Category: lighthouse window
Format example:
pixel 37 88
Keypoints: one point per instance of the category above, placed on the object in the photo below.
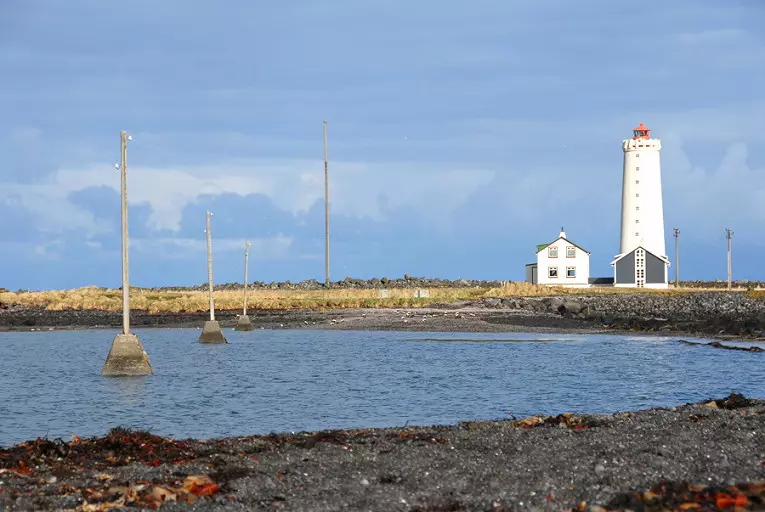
pixel 637 168
pixel 637 234
pixel 570 271
pixel 637 182
pixel 552 272
pixel 637 195
pixel 552 252
pixel 637 221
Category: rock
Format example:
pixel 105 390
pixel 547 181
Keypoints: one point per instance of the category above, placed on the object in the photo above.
pixel 492 302
pixel 510 303
pixel 570 307
pixel 552 303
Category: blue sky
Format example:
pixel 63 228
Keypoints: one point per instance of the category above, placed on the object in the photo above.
pixel 461 134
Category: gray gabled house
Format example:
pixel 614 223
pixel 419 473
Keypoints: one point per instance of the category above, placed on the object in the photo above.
pixel 640 268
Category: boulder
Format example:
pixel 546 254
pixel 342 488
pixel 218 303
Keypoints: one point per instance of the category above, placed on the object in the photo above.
pixel 552 303
pixel 492 302
pixel 570 307
pixel 510 303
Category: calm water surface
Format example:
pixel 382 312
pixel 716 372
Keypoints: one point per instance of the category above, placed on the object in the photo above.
pixel 266 381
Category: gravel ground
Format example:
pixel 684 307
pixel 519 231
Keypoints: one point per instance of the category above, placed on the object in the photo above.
pixel 538 463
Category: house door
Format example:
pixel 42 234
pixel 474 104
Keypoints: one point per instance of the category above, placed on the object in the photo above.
pixel 640 268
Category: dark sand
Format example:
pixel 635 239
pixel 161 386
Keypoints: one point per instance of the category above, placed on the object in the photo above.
pixel 551 463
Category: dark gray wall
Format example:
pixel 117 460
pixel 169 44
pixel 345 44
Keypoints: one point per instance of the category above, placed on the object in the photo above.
pixel 654 269
pixel 531 274
pixel 625 269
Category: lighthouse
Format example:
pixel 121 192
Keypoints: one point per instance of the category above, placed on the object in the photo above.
pixel 642 259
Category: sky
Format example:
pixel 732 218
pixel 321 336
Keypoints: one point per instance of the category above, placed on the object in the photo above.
pixel 461 135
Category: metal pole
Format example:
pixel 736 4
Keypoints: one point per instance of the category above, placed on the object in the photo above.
pixel 729 235
pixel 209 268
pixel 326 208
pixel 677 258
pixel 125 283
pixel 246 262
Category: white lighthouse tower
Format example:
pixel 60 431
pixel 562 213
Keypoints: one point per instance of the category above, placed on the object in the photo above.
pixel 642 259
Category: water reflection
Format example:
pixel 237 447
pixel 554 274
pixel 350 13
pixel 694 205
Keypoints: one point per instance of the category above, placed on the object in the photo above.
pixel 128 390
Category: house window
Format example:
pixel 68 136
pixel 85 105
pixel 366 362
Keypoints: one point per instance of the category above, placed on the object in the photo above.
pixel 570 271
pixel 570 252
pixel 552 252
pixel 552 272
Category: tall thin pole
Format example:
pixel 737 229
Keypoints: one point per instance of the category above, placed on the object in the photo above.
pixel 729 236
pixel 326 208
pixel 677 258
pixel 209 268
pixel 246 263
pixel 125 284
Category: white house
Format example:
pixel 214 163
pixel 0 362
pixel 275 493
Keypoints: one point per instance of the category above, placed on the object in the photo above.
pixel 560 263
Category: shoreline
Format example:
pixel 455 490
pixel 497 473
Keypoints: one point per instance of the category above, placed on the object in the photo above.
pixel 564 462
pixel 547 315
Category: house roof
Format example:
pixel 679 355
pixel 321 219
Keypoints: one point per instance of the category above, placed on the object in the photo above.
pixel 542 247
pixel 620 256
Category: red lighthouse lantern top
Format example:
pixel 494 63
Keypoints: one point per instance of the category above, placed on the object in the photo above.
pixel 641 132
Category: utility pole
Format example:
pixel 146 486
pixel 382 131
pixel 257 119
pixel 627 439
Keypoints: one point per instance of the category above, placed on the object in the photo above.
pixel 326 208
pixel 126 356
pixel 246 262
pixel 677 258
pixel 123 193
pixel 211 332
pixel 729 236
pixel 209 268
pixel 244 323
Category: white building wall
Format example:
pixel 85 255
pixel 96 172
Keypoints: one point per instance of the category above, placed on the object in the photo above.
pixel 580 261
pixel 642 209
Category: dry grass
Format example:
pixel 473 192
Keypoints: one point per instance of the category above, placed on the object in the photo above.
pixel 192 301
pixel 172 301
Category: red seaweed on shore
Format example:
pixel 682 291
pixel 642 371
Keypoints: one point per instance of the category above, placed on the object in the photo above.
pixel 570 420
pixel 681 496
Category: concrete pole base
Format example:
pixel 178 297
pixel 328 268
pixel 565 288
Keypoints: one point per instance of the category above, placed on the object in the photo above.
pixel 243 324
pixel 126 358
pixel 211 333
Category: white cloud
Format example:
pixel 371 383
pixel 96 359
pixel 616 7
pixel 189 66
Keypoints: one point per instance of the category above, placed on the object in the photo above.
pixel 708 200
pixel 293 185
pixel 48 203
pixel 262 249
